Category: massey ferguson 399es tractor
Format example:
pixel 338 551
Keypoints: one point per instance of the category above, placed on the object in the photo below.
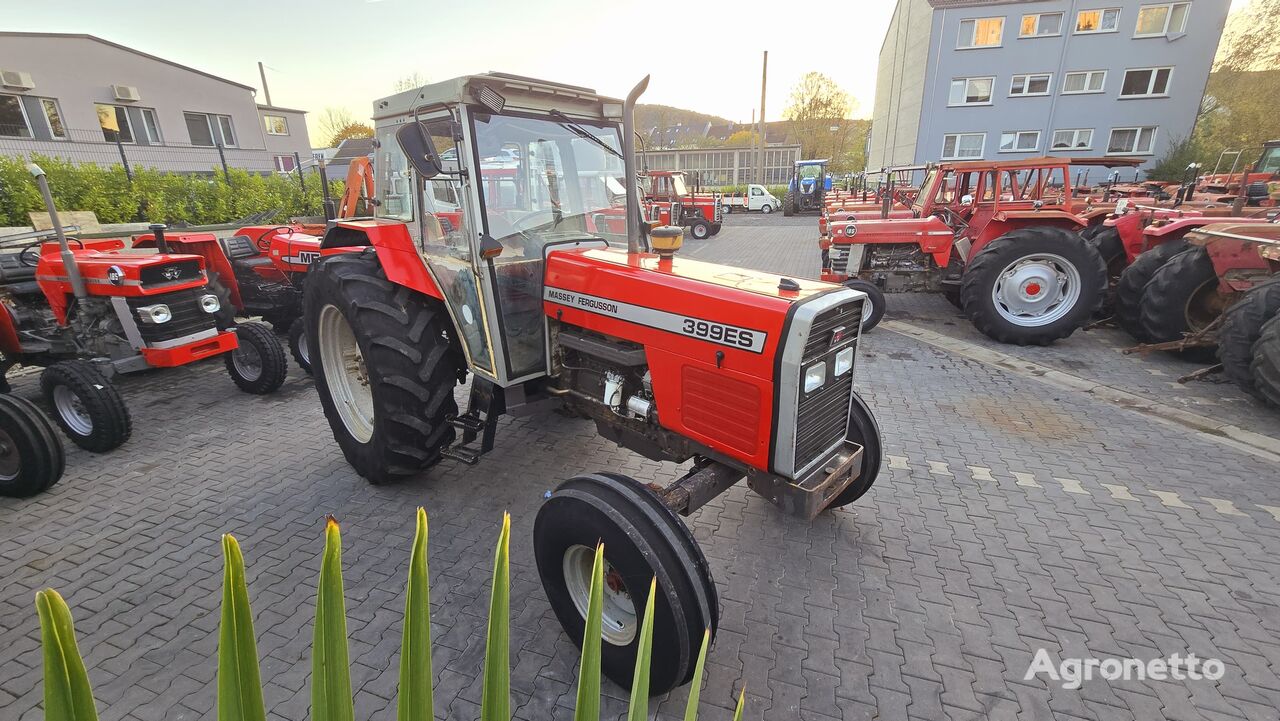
pixel 746 374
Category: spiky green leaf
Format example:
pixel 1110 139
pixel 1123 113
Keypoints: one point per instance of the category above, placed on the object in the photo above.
pixel 67 694
pixel 496 703
pixel 737 713
pixel 639 709
pixel 691 709
pixel 330 668
pixel 415 700
pixel 239 680
pixel 588 704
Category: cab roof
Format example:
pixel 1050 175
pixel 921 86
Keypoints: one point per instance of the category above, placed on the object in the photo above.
pixel 1047 160
pixel 519 92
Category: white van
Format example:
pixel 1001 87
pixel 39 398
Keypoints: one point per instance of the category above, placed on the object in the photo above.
pixel 757 197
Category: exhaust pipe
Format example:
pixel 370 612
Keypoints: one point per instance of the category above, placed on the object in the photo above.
pixel 635 236
pixel 68 260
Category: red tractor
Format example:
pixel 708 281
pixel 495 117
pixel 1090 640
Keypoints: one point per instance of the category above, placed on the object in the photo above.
pixel 102 307
pixel 668 201
pixel 746 374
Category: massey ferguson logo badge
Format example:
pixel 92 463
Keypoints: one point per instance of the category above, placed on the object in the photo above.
pixel 171 273
pixel 838 336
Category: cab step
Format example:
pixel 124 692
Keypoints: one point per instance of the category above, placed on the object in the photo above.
pixel 462 454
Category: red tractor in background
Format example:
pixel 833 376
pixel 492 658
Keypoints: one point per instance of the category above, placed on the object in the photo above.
pixel 103 307
pixel 1253 180
pixel 668 201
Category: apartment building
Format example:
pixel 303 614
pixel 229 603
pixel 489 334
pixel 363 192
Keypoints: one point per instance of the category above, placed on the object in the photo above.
pixel 89 100
pixel 984 79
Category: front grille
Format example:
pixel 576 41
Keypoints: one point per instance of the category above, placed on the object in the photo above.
pixel 822 417
pixel 839 259
pixel 188 317
pixel 175 272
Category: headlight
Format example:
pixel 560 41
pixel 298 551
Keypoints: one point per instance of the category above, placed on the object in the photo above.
pixel 115 275
pixel 814 376
pixel 850 230
pixel 158 313
pixel 844 361
pixel 210 303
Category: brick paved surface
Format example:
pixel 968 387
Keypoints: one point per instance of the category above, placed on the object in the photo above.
pixel 1011 516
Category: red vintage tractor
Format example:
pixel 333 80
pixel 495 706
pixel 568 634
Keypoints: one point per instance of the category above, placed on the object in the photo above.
pixel 87 309
pixel 668 201
pixel 746 374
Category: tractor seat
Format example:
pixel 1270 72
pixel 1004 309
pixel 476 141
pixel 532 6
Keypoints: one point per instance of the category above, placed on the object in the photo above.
pixel 239 247
pixel 13 270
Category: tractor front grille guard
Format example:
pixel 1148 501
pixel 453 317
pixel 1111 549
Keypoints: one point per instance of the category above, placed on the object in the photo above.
pixel 822 415
pixel 187 317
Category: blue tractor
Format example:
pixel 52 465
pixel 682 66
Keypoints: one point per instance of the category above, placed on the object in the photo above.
pixel 809 182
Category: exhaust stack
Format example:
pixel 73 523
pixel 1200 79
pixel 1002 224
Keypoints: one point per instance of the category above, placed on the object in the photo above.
pixel 635 237
pixel 68 260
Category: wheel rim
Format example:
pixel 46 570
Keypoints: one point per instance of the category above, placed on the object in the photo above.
pixel 700 232
pixel 247 361
pixel 1036 290
pixel 10 460
pixel 71 410
pixel 1204 306
pixel 868 308
pixel 345 374
pixel 618 618
pixel 303 350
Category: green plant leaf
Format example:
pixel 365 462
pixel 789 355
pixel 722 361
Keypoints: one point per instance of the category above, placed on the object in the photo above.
pixel 239 680
pixel 67 694
pixel 415 700
pixel 588 704
pixel 691 709
pixel 330 668
pixel 742 695
pixel 639 709
pixel 496 703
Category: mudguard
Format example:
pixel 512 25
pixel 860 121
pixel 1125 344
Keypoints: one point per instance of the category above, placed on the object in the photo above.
pixel 397 253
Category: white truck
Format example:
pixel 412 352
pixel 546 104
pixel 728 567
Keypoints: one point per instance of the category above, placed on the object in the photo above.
pixel 757 197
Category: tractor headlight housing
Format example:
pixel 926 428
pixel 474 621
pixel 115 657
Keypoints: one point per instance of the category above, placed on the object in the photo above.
pixel 158 313
pixel 210 304
pixel 814 376
pixel 844 361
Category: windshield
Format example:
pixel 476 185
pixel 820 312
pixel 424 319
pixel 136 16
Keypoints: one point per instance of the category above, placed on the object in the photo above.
pixel 926 185
pixel 542 180
pixel 809 171
pixel 1270 161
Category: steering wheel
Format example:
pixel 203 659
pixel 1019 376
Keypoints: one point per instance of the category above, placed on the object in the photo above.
pixel 30 255
pixel 950 217
pixel 264 241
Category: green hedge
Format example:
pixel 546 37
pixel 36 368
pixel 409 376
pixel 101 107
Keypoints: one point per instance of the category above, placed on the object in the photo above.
pixel 154 196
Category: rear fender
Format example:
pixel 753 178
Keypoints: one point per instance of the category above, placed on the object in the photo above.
pixel 1237 262
pixel 396 251
pixel 9 343
pixel 1004 222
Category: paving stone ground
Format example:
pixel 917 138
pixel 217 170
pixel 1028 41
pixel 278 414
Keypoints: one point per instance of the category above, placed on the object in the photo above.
pixel 1011 516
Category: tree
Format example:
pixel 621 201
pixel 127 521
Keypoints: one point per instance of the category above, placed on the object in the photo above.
pixel 817 112
pixel 349 131
pixel 333 120
pixel 1250 41
pixel 743 139
pixel 411 81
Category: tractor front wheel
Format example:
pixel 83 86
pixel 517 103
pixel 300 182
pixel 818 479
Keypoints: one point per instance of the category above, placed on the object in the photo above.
pixel 384 365
pixel 643 539
pixel 873 307
pixel 1266 362
pixel 789 204
pixel 1133 283
pixel 700 229
pixel 1182 298
pixel 86 405
pixel 299 346
pixel 1241 328
pixel 864 430
pixel 1033 286
pixel 31 454
pixel 257 365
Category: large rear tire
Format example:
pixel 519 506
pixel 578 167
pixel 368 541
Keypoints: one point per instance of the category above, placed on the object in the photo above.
pixel 873 309
pixel 1182 298
pixel 86 406
pixel 257 365
pixel 862 424
pixel 643 539
pixel 789 204
pixel 1241 328
pixel 1133 283
pixel 384 365
pixel 31 454
pixel 1033 286
pixel 1266 362
pixel 299 346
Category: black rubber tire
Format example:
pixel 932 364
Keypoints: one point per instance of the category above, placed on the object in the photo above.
pixel 110 424
pixel 715 229
pixel 1241 328
pixel 1089 232
pixel 256 338
pixel 767 208
pixel 1266 362
pixel 1133 282
pixel 862 422
pixel 952 279
pixel 413 365
pixel 990 262
pixel 699 229
pixel 31 452
pixel 642 539
pixel 1162 312
pixel 225 318
pixel 875 297
pixel 299 346
pixel 1108 244
pixel 789 207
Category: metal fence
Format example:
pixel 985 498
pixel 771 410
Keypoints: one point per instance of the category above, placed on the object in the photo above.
pixel 727 166
pixel 80 145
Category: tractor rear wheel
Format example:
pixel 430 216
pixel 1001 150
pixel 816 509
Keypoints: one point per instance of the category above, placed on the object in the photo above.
pixel 643 539
pixel 1033 286
pixel 1133 282
pixel 1241 328
pixel 873 308
pixel 952 276
pixel 1182 298
pixel 715 229
pixel 86 405
pixel 384 365
pixel 789 204
pixel 863 423
pixel 226 316
pixel 31 454
pixel 298 345
pixel 257 365
pixel 1266 362
pixel 700 229
pixel 1109 245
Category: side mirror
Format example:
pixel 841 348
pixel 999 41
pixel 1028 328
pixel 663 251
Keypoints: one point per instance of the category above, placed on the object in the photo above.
pixel 419 149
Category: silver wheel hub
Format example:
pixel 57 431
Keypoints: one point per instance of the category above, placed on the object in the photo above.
pixel 1036 290
pixel 72 411
pixel 247 361
pixel 618 620
pixel 345 373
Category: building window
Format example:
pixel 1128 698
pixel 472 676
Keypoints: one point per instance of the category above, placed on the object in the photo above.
pixel 114 121
pixel 1086 81
pixel 963 146
pixel 1160 20
pixel 13 119
pixel 210 130
pixel 1131 141
pixel 1105 20
pixel 53 117
pixel 150 128
pixel 1041 25
pixel 970 91
pixel 981 33
pixel 1146 83
pixel 1073 139
pixel 284 163
pixel 1029 85
pixel 1019 141
pixel 276 124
